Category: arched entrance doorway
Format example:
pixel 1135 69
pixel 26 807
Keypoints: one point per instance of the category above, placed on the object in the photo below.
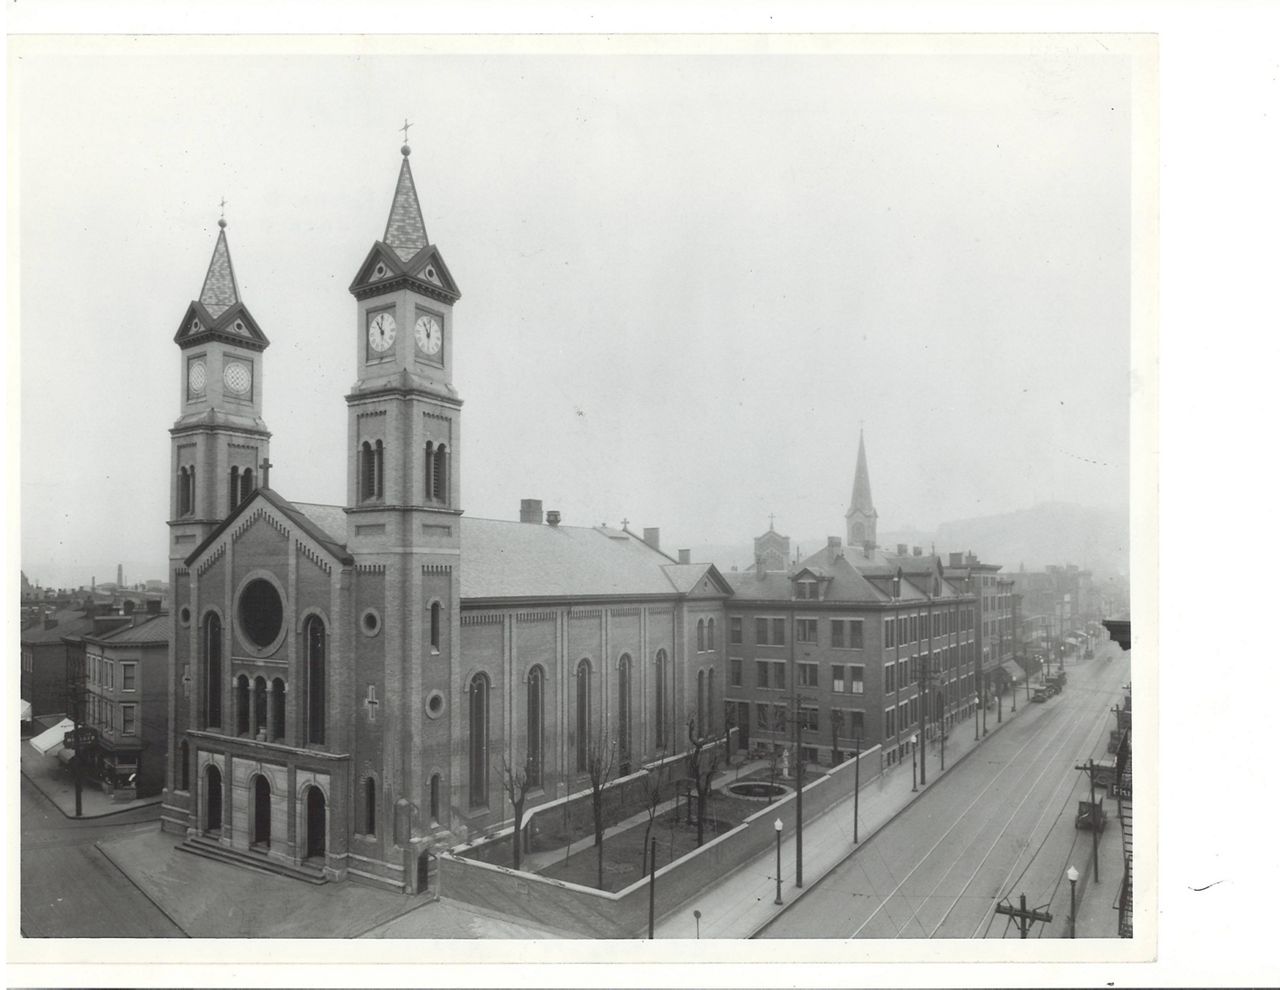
pixel 213 799
pixel 315 823
pixel 261 812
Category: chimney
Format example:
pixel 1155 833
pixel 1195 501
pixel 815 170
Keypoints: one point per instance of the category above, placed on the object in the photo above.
pixel 531 511
pixel 957 560
pixel 867 548
pixel 553 517
pixel 686 556
pixel 833 542
pixel 651 536
pixel 971 558
pixel 119 575
pixel 916 551
pixel 902 549
pixel 759 567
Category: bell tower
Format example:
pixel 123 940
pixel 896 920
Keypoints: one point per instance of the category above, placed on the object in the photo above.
pixel 219 441
pixel 404 413
pixel 404 520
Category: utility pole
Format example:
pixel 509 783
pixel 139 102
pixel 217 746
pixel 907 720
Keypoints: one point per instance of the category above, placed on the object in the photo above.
pixel 1021 915
pixel 1093 822
pixel 800 801
pixel 925 680
pixel 857 767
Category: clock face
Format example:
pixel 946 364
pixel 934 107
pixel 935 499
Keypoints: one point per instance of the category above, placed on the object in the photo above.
pixel 429 334
pixel 382 332
pixel 237 377
pixel 197 376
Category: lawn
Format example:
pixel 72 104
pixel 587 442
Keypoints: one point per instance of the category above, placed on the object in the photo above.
pixel 624 852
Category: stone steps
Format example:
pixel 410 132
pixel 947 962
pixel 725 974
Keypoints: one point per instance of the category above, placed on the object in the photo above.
pixel 209 849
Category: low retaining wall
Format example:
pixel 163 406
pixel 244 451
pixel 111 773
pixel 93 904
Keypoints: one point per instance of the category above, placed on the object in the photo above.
pixel 594 913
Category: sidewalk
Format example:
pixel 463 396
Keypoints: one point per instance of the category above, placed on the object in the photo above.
pixel 238 903
pixel 743 902
pixel 55 782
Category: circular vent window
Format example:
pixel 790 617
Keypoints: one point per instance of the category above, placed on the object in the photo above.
pixel 435 704
pixel 261 612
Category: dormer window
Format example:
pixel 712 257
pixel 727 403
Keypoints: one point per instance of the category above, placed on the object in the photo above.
pixel 808 589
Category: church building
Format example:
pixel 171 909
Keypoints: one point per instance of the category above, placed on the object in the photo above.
pixel 349 683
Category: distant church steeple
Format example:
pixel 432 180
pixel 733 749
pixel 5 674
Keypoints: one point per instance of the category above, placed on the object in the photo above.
pixel 860 519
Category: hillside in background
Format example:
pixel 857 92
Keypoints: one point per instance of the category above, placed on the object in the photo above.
pixel 1050 533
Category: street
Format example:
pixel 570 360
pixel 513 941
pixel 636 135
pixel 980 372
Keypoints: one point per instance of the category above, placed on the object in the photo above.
pixel 69 889
pixel 999 825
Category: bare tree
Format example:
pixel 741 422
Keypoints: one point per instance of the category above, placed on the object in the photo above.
pixel 703 759
pixel 517 782
pixel 653 784
pixel 601 754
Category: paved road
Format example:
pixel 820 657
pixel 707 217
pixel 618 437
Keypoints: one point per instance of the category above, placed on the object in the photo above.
pixel 69 888
pixel 998 825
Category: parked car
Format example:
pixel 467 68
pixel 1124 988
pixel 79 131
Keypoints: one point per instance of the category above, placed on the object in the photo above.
pixel 1039 694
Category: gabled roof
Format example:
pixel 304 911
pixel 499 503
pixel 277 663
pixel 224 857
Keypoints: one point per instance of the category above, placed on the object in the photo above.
pixel 770 586
pixel 293 513
pixel 526 560
pixel 685 578
pixel 155 630
pixel 219 312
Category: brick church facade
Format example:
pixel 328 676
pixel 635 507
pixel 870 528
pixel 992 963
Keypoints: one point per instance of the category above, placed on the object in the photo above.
pixel 348 681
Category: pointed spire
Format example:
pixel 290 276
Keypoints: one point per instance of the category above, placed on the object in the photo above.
pixel 861 500
pixel 406 233
pixel 220 291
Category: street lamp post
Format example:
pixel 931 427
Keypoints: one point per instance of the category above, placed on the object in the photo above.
pixel 976 707
pixel 697 924
pixel 1015 692
pixel 1072 876
pixel 999 707
pixel 913 761
pixel 777 831
pixel 942 744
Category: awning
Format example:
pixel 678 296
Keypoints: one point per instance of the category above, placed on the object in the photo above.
pixel 1013 670
pixel 51 739
pixel 26 711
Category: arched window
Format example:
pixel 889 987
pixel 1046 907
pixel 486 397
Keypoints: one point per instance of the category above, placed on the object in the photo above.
pixel 261 812
pixel 377 469
pixel 702 635
pixel 314 642
pixel 478 742
pixel 259 706
pixel 435 797
pixel 277 710
pixel 702 702
pixel 184 492
pixel 533 726
pixel 242 705
pixel 624 709
pixel 246 484
pixel 213 671
pixel 435 627
pixel 366 471
pixel 213 799
pixel 369 807
pixel 440 475
pixel 429 462
pixel 711 700
pixel 711 634
pixel 184 767
pixel 660 699
pixel 583 709
pixel 233 493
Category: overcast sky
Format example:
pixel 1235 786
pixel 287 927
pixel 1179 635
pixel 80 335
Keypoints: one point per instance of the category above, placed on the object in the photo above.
pixel 687 278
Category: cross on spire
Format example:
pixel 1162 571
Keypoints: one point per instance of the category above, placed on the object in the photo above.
pixel 624 523
pixel 405 127
pixel 266 472
pixel 770 522
pixel 222 208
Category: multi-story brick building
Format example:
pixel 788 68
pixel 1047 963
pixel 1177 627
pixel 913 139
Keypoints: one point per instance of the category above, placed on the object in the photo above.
pixel 846 644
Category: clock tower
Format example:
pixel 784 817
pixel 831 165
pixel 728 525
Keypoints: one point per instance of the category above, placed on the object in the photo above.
pixel 404 521
pixel 219 441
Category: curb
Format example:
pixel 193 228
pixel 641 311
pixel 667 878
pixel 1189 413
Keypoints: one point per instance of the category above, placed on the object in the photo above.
pixel 107 856
pixel 82 818
pixel 874 832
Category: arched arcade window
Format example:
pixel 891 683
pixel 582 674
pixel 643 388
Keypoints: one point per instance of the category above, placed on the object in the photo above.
pixel 212 648
pixel 314 643
pixel 533 725
pixel 478 741
pixel 624 710
pixel 583 709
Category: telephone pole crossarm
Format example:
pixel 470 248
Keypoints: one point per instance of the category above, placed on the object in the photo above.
pixel 1022 915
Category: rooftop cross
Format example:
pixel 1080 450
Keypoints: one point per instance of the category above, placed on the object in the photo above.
pixel 624 523
pixel 405 128
pixel 771 522
pixel 266 473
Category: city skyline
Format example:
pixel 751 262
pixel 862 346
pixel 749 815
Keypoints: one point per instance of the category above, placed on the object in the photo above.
pixel 659 322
